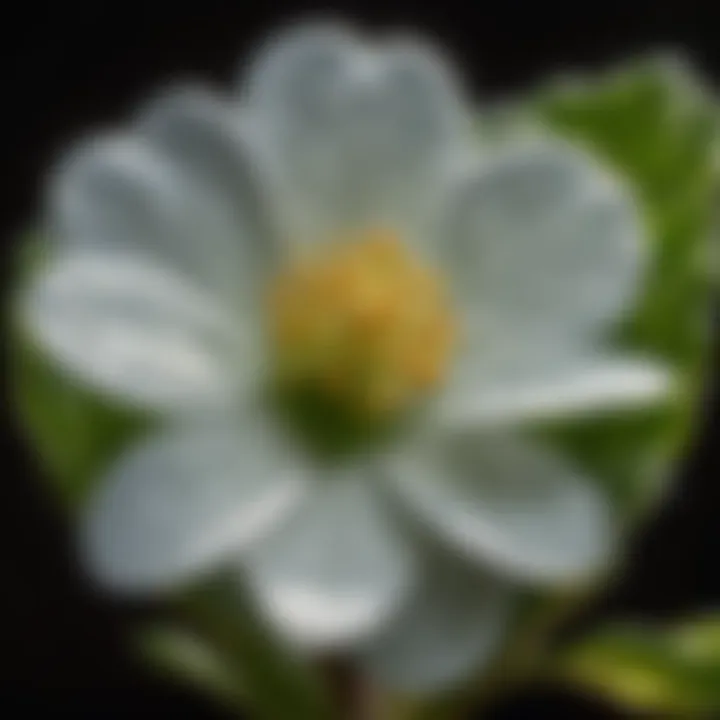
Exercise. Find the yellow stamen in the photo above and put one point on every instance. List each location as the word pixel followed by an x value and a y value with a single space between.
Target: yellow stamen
pixel 363 321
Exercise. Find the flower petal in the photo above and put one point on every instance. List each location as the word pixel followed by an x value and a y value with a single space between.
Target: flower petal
pixel 185 500
pixel 450 628
pixel 362 129
pixel 507 503
pixel 576 386
pixel 545 247
pixel 138 331
pixel 118 191
pixel 337 571
pixel 210 142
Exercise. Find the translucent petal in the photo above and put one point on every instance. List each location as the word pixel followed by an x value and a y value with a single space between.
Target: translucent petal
pixel 361 129
pixel 139 331
pixel 185 500
pixel 448 629
pixel 544 246
pixel 574 386
pixel 337 571
pixel 508 504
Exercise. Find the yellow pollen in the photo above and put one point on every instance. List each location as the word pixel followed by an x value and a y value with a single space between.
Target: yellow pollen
pixel 363 321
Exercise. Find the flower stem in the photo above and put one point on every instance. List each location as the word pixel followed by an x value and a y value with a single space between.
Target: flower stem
pixel 353 697
pixel 278 685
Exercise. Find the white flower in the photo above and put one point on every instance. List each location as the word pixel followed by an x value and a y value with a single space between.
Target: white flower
pixel 171 234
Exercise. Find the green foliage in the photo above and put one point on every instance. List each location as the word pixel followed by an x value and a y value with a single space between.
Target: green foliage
pixel 74 434
pixel 174 650
pixel 277 683
pixel 657 128
pixel 219 644
pixel 667 671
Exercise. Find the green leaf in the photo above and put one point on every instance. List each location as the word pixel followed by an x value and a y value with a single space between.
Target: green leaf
pixel 279 684
pixel 658 128
pixel 187 656
pixel 652 669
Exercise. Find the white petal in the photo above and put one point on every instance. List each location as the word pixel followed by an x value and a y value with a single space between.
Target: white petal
pixel 185 500
pixel 362 129
pixel 337 571
pixel 209 141
pixel 118 191
pixel 573 387
pixel 507 503
pixel 136 330
pixel 544 245
pixel 449 629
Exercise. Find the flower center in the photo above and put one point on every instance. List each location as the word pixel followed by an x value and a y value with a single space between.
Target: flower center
pixel 363 323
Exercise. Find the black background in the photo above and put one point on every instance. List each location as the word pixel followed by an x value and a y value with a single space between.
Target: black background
pixel 67 71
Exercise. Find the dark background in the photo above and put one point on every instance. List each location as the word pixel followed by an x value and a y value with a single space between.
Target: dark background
pixel 65 72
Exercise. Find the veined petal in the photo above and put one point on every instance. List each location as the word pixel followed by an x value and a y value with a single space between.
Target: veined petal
pixel 337 571
pixel 361 128
pixel 545 247
pixel 139 331
pixel 574 387
pixel 508 504
pixel 186 500
pixel 119 192
pixel 448 629
pixel 210 142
